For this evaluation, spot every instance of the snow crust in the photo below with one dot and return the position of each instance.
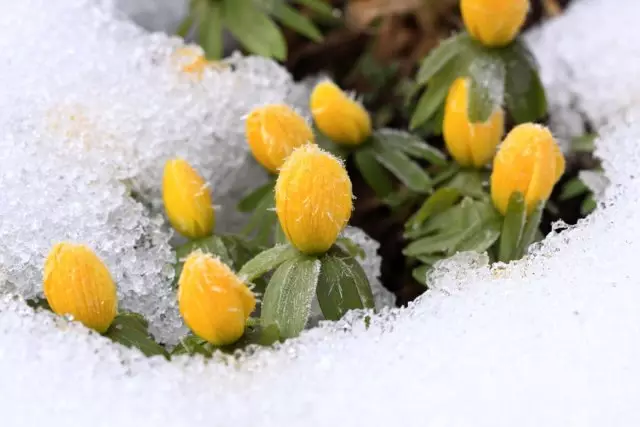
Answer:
(551, 340)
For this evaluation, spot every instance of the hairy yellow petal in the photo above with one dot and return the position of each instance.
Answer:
(470, 144)
(338, 116)
(213, 301)
(187, 200)
(273, 131)
(494, 23)
(77, 283)
(313, 199)
(529, 161)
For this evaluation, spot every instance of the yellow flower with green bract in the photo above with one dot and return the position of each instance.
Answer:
(338, 116)
(530, 162)
(273, 131)
(313, 199)
(78, 284)
(494, 23)
(470, 144)
(187, 200)
(213, 301)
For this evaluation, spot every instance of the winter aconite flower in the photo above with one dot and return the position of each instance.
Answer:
(338, 116)
(77, 283)
(470, 144)
(313, 199)
(528, 161)
(213, 301)
(494, 22)
(187, 200)
(273, 131)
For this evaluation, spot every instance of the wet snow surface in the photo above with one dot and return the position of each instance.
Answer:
(93, 106)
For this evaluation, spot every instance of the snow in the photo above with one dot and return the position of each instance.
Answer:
(550, 340)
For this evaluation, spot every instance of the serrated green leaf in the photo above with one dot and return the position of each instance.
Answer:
(438, 58)
(210, 245)
(411, 145)
(252, 200)
(130, 330)
(433, 98)
(267, 261)
(573, 188)
(441, 200)
(291, 18)
(482, 237)
(512, 228)
(351, 248)
(287, 300)
(374, 175)
(403, 168)
(471, 183)
(439, 243)
(254, 29)
(524, 93)
(530, 228)
(342, 285)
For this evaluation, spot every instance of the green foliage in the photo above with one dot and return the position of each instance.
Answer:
(252, 23)
(506, 75)
(130, 330)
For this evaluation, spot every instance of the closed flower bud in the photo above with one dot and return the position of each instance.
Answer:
(273, 132)
(338, 116)
(470, 144)
(494, 23)
(529, 161)
(213, 301)
(187, 200)
(78, 284)
(313, 199)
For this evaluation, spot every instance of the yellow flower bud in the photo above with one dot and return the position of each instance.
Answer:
(470, 144)
(187, 200)
(77, 283)
(338, 116)
(528, 161)
(313, 199)
(213, 301)
(273, 132)
(494, 23)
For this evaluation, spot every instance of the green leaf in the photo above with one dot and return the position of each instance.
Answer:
(278, 234)
(411, 145)
(486, 90)
(351, 248)
(185, 26)
(254, 29)
(445, 174)
(429, 259)
(573, 188)
(420, 274)
(287, 300)
(130, 330)
(588, 205)
(438, 58)
(512, 228)
(210, 245)
(262, 220)
(584, 143)
(471, 183)
(342, 285)
(530, 228)
(374, 175)
(524, 92)
(252, 200)
(291, 18)
(320, 7)
(406, 170)
(438, 243)
(327, 144)
(240, 250)
(267, 261)
(210, 31)
(482, 237)
(192, 345)
(433, 98)
(441, 200)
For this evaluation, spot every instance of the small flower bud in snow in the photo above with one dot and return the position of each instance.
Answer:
(273, 131)
(470, 144)
(187, 200)
(213, 301)
(338, 116)
(77, 283)
(313, 199)
(528, 161)
(494, 23)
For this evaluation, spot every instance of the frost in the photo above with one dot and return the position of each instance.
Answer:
(551, 340)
